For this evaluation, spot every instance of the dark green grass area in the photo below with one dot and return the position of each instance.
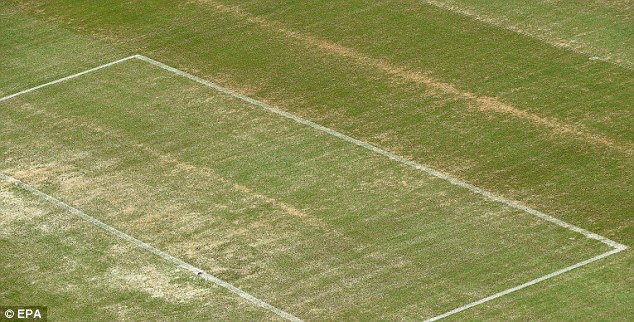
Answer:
(600, 29)
(33, 52)
(311, 223)
(586, 184)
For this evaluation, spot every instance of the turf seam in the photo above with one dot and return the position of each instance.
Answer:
(617, 247)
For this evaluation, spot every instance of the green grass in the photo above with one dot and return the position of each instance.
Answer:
(585, 183)
(594, 27)
(185, 168)
(34, 52)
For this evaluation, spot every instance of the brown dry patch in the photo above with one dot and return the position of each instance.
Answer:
(38, 174)
(14, 209)
(154, 282)
(218, 256)
(489, 103)
(123, 312)
(210, 173)
(405, 73)
(158, 281)
(625, 5)
(17, 210)
(32, 6)
(244, 89)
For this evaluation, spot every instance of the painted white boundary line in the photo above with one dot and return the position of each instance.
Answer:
(617, 246)
(455, 181)
(66, 78)
(196, 271)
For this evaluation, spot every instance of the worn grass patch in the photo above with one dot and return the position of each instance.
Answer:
(81, 273)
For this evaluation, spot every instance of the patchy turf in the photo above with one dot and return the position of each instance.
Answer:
(407, 77)
(81, 273)
(204, 176)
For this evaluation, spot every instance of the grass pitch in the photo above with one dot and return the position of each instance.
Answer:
(302, 219)
(309, 223)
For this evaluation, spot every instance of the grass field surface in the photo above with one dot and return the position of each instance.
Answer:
(289, 211)
(307, 222)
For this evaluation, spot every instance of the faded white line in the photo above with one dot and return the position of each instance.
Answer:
(197, 271)
(66, 78)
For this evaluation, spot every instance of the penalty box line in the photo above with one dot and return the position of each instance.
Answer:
(395, 157)
(617, 247)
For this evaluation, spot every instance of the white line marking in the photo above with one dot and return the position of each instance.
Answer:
(66, 78)
(527, 284)
(196, 271)
(514, 204)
